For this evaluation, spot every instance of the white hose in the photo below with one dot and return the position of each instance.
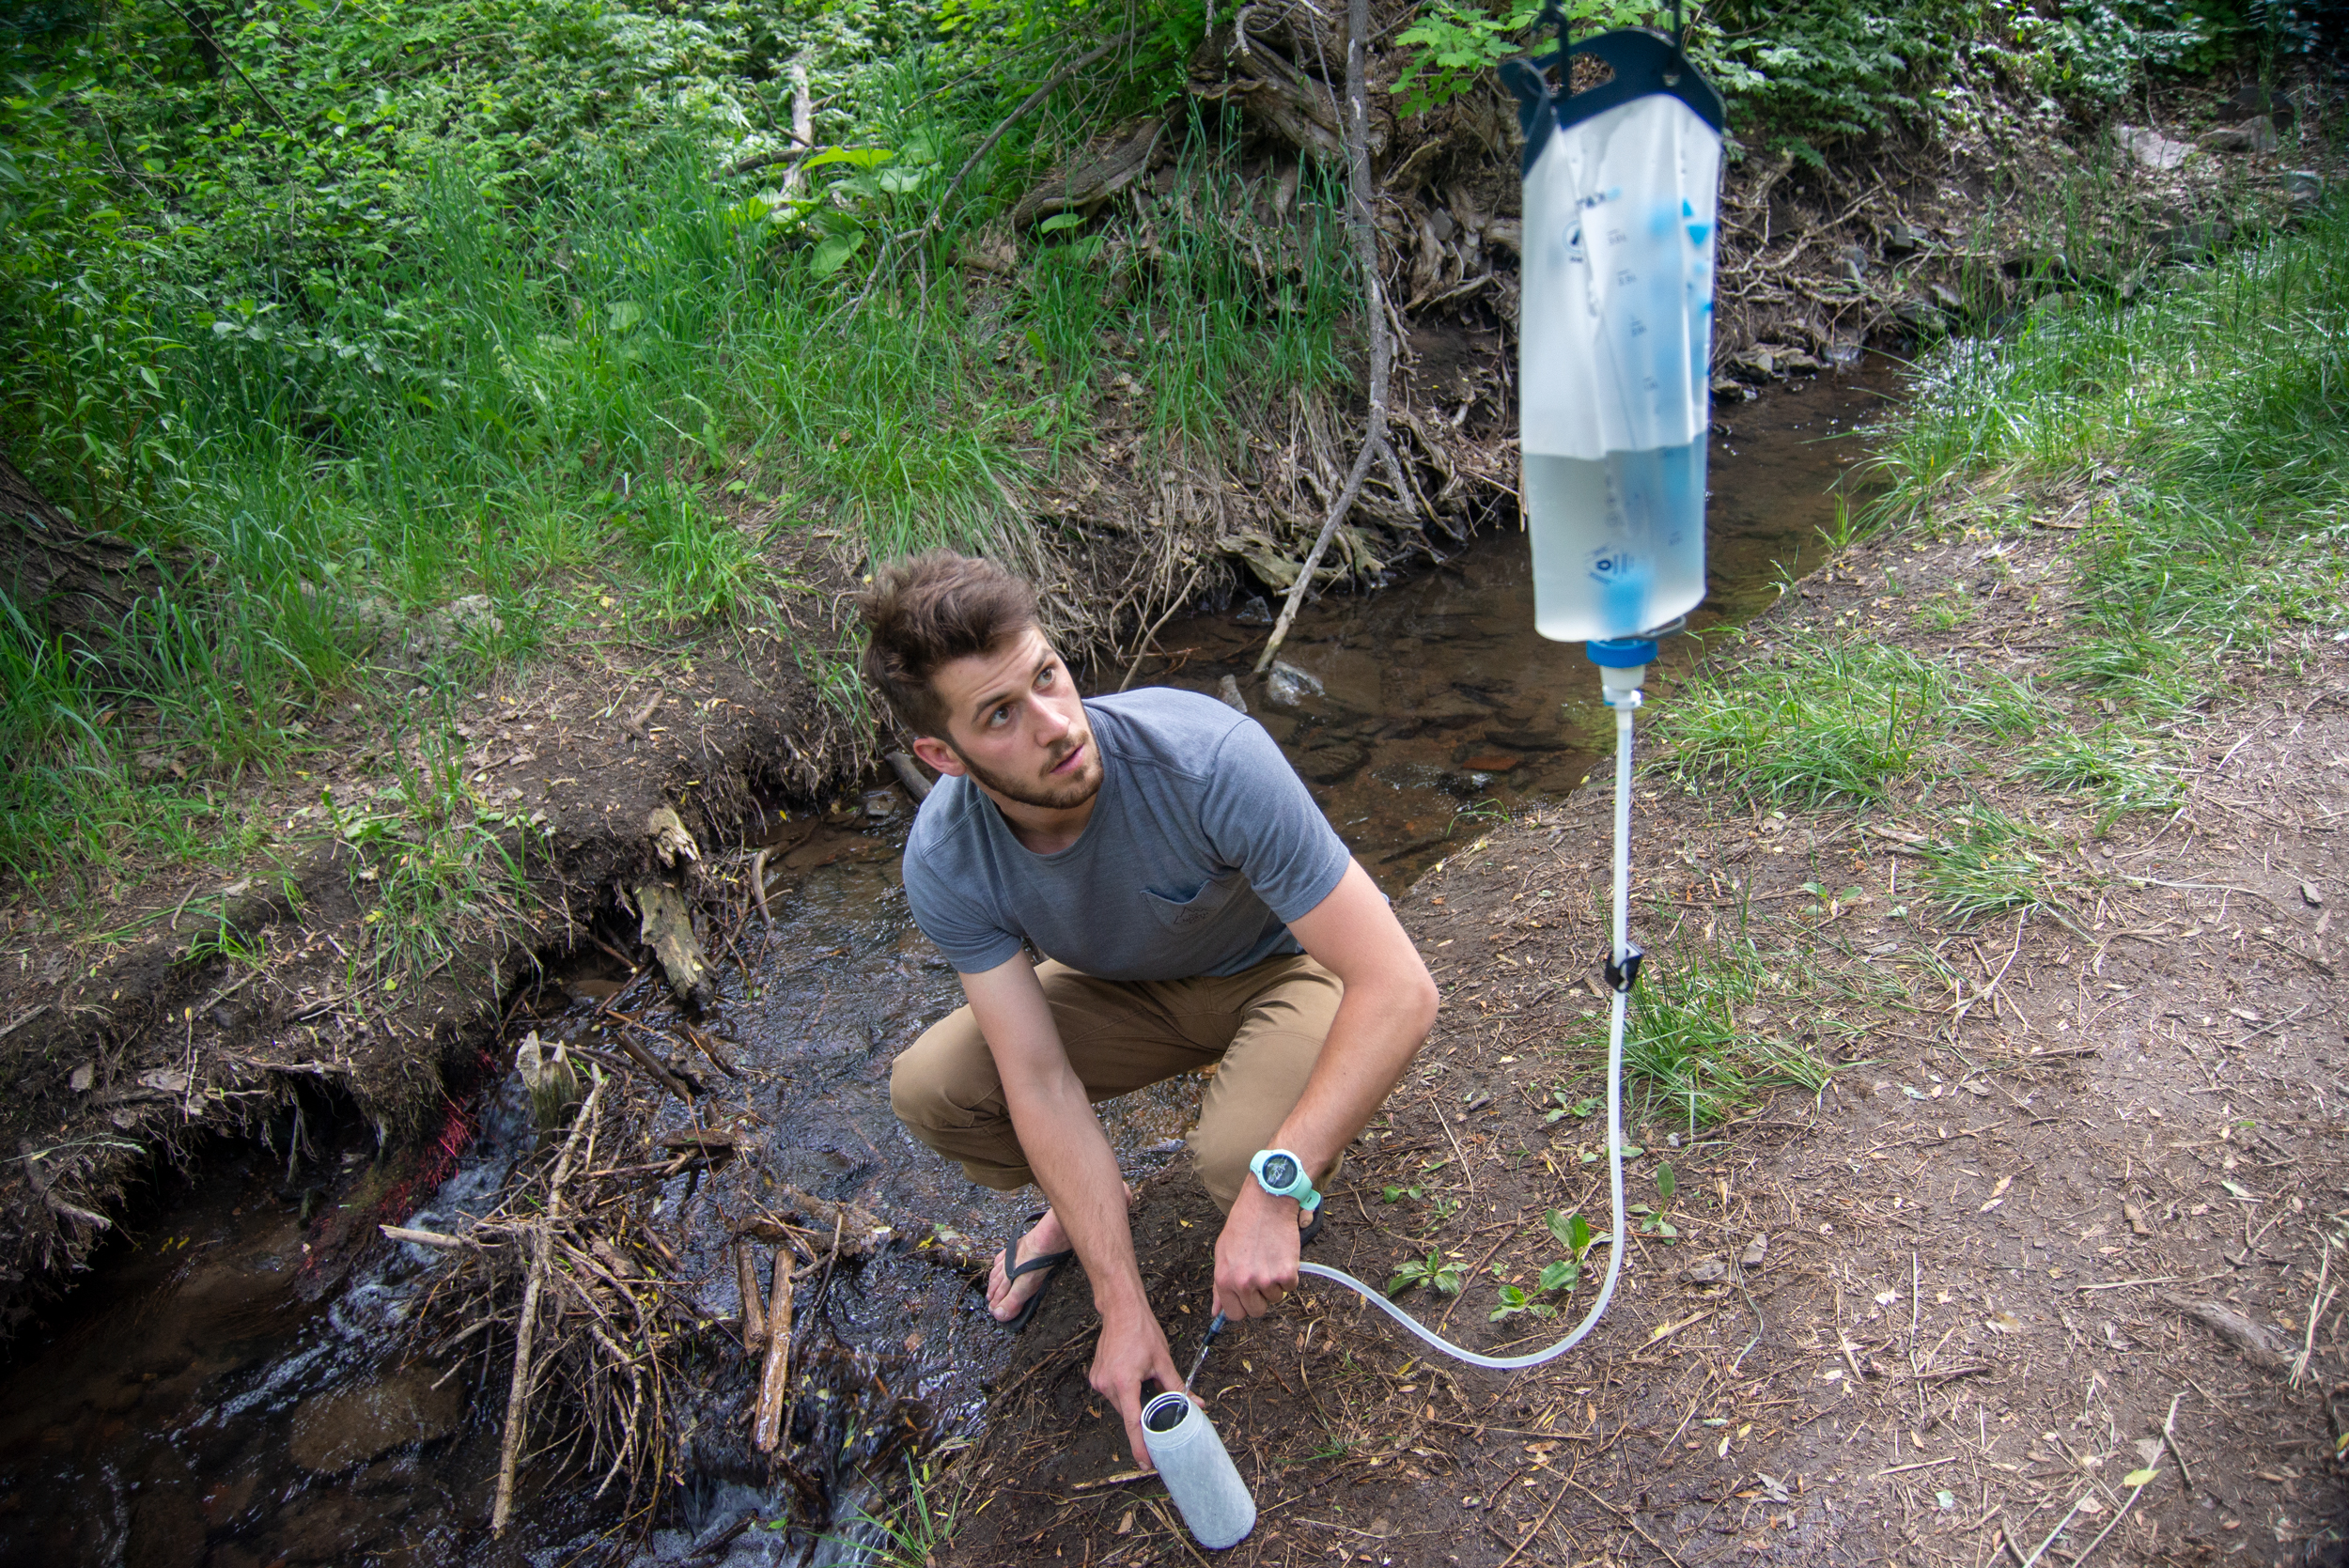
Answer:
(1630, 701)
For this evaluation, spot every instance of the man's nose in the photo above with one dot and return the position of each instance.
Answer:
(1052, 723)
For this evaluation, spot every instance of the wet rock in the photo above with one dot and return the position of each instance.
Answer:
(1900, 240)
(333, 1433)
(2150, 148)
(1331, 763)
(1855, 263)
(2256, 134)
(1530, 739)
(1288, 685)
(2303, 188)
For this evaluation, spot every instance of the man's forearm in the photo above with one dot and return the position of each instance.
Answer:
(1073, 1163)
(1376, 1033)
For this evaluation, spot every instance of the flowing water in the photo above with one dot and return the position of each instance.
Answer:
(211, 1394)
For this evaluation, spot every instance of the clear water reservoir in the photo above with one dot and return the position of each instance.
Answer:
(1618, 541)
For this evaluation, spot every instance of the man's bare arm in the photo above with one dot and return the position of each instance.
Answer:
(1388, 1006)
(1073, 1163)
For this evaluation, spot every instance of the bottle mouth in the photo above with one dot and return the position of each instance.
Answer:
(1166, 1412)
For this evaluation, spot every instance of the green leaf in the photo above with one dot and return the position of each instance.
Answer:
(1665, 1183)
(898, 181)
(833, 254)
(857, 157)
(1560, 1226)
(1562, 1275)
(1579, 1235)
(1060, 221)
(2141, 1478)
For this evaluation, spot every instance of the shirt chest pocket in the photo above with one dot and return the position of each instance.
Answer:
(1188, 914)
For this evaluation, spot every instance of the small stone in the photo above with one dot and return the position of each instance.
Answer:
(2150, 148)
(1704, 1271)
(1755, 1252)
(1288, 685)
(84, 1075)
(2314, 894)
(1946, 297)
(2256, 134)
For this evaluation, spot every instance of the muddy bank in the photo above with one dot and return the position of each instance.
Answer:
(2033, 1268)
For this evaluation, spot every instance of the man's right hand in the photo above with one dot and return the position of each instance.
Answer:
(1132, 1351)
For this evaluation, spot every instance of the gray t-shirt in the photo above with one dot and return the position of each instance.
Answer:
(1202, 845)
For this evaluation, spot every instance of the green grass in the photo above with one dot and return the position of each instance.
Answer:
(1841, 722)
(1986, 864)
(1686, 1058)
(589, 398)
(2121, 770)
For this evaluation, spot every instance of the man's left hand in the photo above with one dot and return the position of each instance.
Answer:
(1255, 1257)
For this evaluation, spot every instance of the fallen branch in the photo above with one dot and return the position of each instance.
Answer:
(908, 776)
(430, 1238)
(753, 1316)
(542, 1251)
(2261, 1345)
(774, 1377)
(1359, 192)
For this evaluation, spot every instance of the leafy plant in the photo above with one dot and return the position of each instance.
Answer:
(1514, 1300)
(1445, 1274)
(1563, 1107)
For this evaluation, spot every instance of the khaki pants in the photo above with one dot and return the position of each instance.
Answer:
(1264, 1025)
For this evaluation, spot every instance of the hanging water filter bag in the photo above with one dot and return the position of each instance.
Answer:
(1615, 332)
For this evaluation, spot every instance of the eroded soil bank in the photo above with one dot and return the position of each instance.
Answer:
(2055, 1221)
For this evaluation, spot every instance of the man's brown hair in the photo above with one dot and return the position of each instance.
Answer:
(928, 610)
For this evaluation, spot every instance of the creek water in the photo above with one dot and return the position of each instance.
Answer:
(209, 1394)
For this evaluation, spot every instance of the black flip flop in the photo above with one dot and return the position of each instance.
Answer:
(1051, 1263)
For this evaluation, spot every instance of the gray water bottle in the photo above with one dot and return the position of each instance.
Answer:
(1198, 1471)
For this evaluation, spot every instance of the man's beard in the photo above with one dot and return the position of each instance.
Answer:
(1042, 793)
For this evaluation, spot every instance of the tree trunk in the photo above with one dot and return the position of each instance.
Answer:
(65, 580)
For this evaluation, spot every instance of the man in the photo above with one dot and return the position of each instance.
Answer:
(1193, 907)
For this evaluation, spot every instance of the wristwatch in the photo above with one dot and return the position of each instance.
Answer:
(1283, 1174)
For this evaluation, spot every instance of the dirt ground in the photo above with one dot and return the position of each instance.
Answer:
(2057, 1221)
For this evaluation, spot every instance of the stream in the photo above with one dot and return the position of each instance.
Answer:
(208, 1395)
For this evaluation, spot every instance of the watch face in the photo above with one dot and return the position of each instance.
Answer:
(1280, 1171)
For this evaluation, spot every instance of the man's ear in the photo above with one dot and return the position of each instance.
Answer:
(939, 756)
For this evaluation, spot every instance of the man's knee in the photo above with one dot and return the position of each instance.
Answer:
(934, 1081)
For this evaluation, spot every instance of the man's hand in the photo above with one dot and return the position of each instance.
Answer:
(1255, 1257)
(1132, 1351)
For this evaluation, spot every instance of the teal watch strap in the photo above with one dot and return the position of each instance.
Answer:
(1283, 1174)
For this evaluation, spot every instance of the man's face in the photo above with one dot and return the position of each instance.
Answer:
(1014, 722)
